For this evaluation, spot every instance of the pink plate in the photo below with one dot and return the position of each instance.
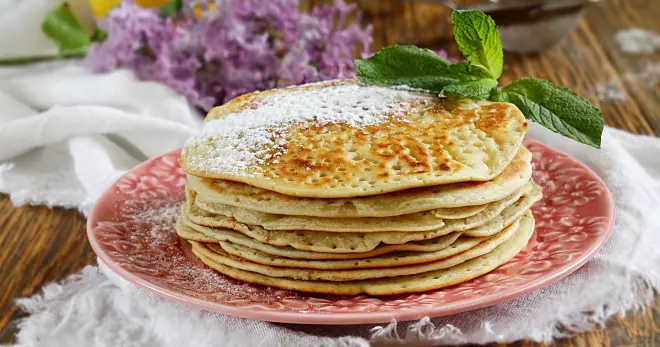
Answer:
(132, 231)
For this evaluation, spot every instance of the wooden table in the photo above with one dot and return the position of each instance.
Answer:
(40, 245)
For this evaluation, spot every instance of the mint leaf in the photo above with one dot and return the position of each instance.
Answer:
(556, 108)
(411, 66)
(62, 27)
(478, 90)
(477, 38)
(171, 8)
(467, 69)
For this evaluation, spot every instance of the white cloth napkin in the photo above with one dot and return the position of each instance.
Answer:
(98, 308)
(66, 134)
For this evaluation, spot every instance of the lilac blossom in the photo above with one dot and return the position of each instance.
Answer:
(235, 47)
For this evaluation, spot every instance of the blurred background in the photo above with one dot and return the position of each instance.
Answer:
(212, 51)
(606, 50)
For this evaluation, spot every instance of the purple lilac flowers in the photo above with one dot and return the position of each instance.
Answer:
(233, 47)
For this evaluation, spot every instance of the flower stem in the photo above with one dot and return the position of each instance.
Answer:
(38, 59)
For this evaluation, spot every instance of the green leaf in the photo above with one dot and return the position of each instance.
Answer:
(556, 108)
(62, 27)
(171, 8)
(467, 69)
(477, 38)
(477, 90)
(99, 36)
(411, 66)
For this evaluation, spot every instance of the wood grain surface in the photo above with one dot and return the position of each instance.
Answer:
(40, 245)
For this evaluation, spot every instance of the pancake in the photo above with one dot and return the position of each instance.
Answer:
(466, 246)
(329, 274)
(534, 196)
(331, 242)
(341, 139)
(217, 235)
(457, 200)
(420, 221)
(190, 234)
(394, 285)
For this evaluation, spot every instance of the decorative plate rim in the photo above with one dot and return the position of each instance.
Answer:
(346, 318)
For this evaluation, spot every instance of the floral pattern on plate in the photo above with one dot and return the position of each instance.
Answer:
(132, 231)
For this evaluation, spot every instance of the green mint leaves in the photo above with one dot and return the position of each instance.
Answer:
(421, 68)
(554, 107)
(408, 65)
(477, 38)
(478, 89)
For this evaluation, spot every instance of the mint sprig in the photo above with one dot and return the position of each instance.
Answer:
(543, 102)
(478, 89)
(411, 66)
(556, 108)
(478, 39)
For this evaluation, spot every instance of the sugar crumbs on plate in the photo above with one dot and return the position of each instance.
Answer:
(166, 260)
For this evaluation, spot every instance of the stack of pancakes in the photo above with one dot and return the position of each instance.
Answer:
(343, 188)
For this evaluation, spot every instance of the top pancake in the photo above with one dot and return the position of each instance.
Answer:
(457, 200)
(343, 139)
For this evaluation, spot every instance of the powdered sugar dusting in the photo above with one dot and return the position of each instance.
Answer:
(247, 138)
(151, 224)
(160, 219)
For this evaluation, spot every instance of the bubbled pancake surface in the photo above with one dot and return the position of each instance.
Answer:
(342, 139)
(386, 286)
(335, 270)
(420, 221)
(488, 222)
(457, 200)
(215, 236)
(460, 246)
